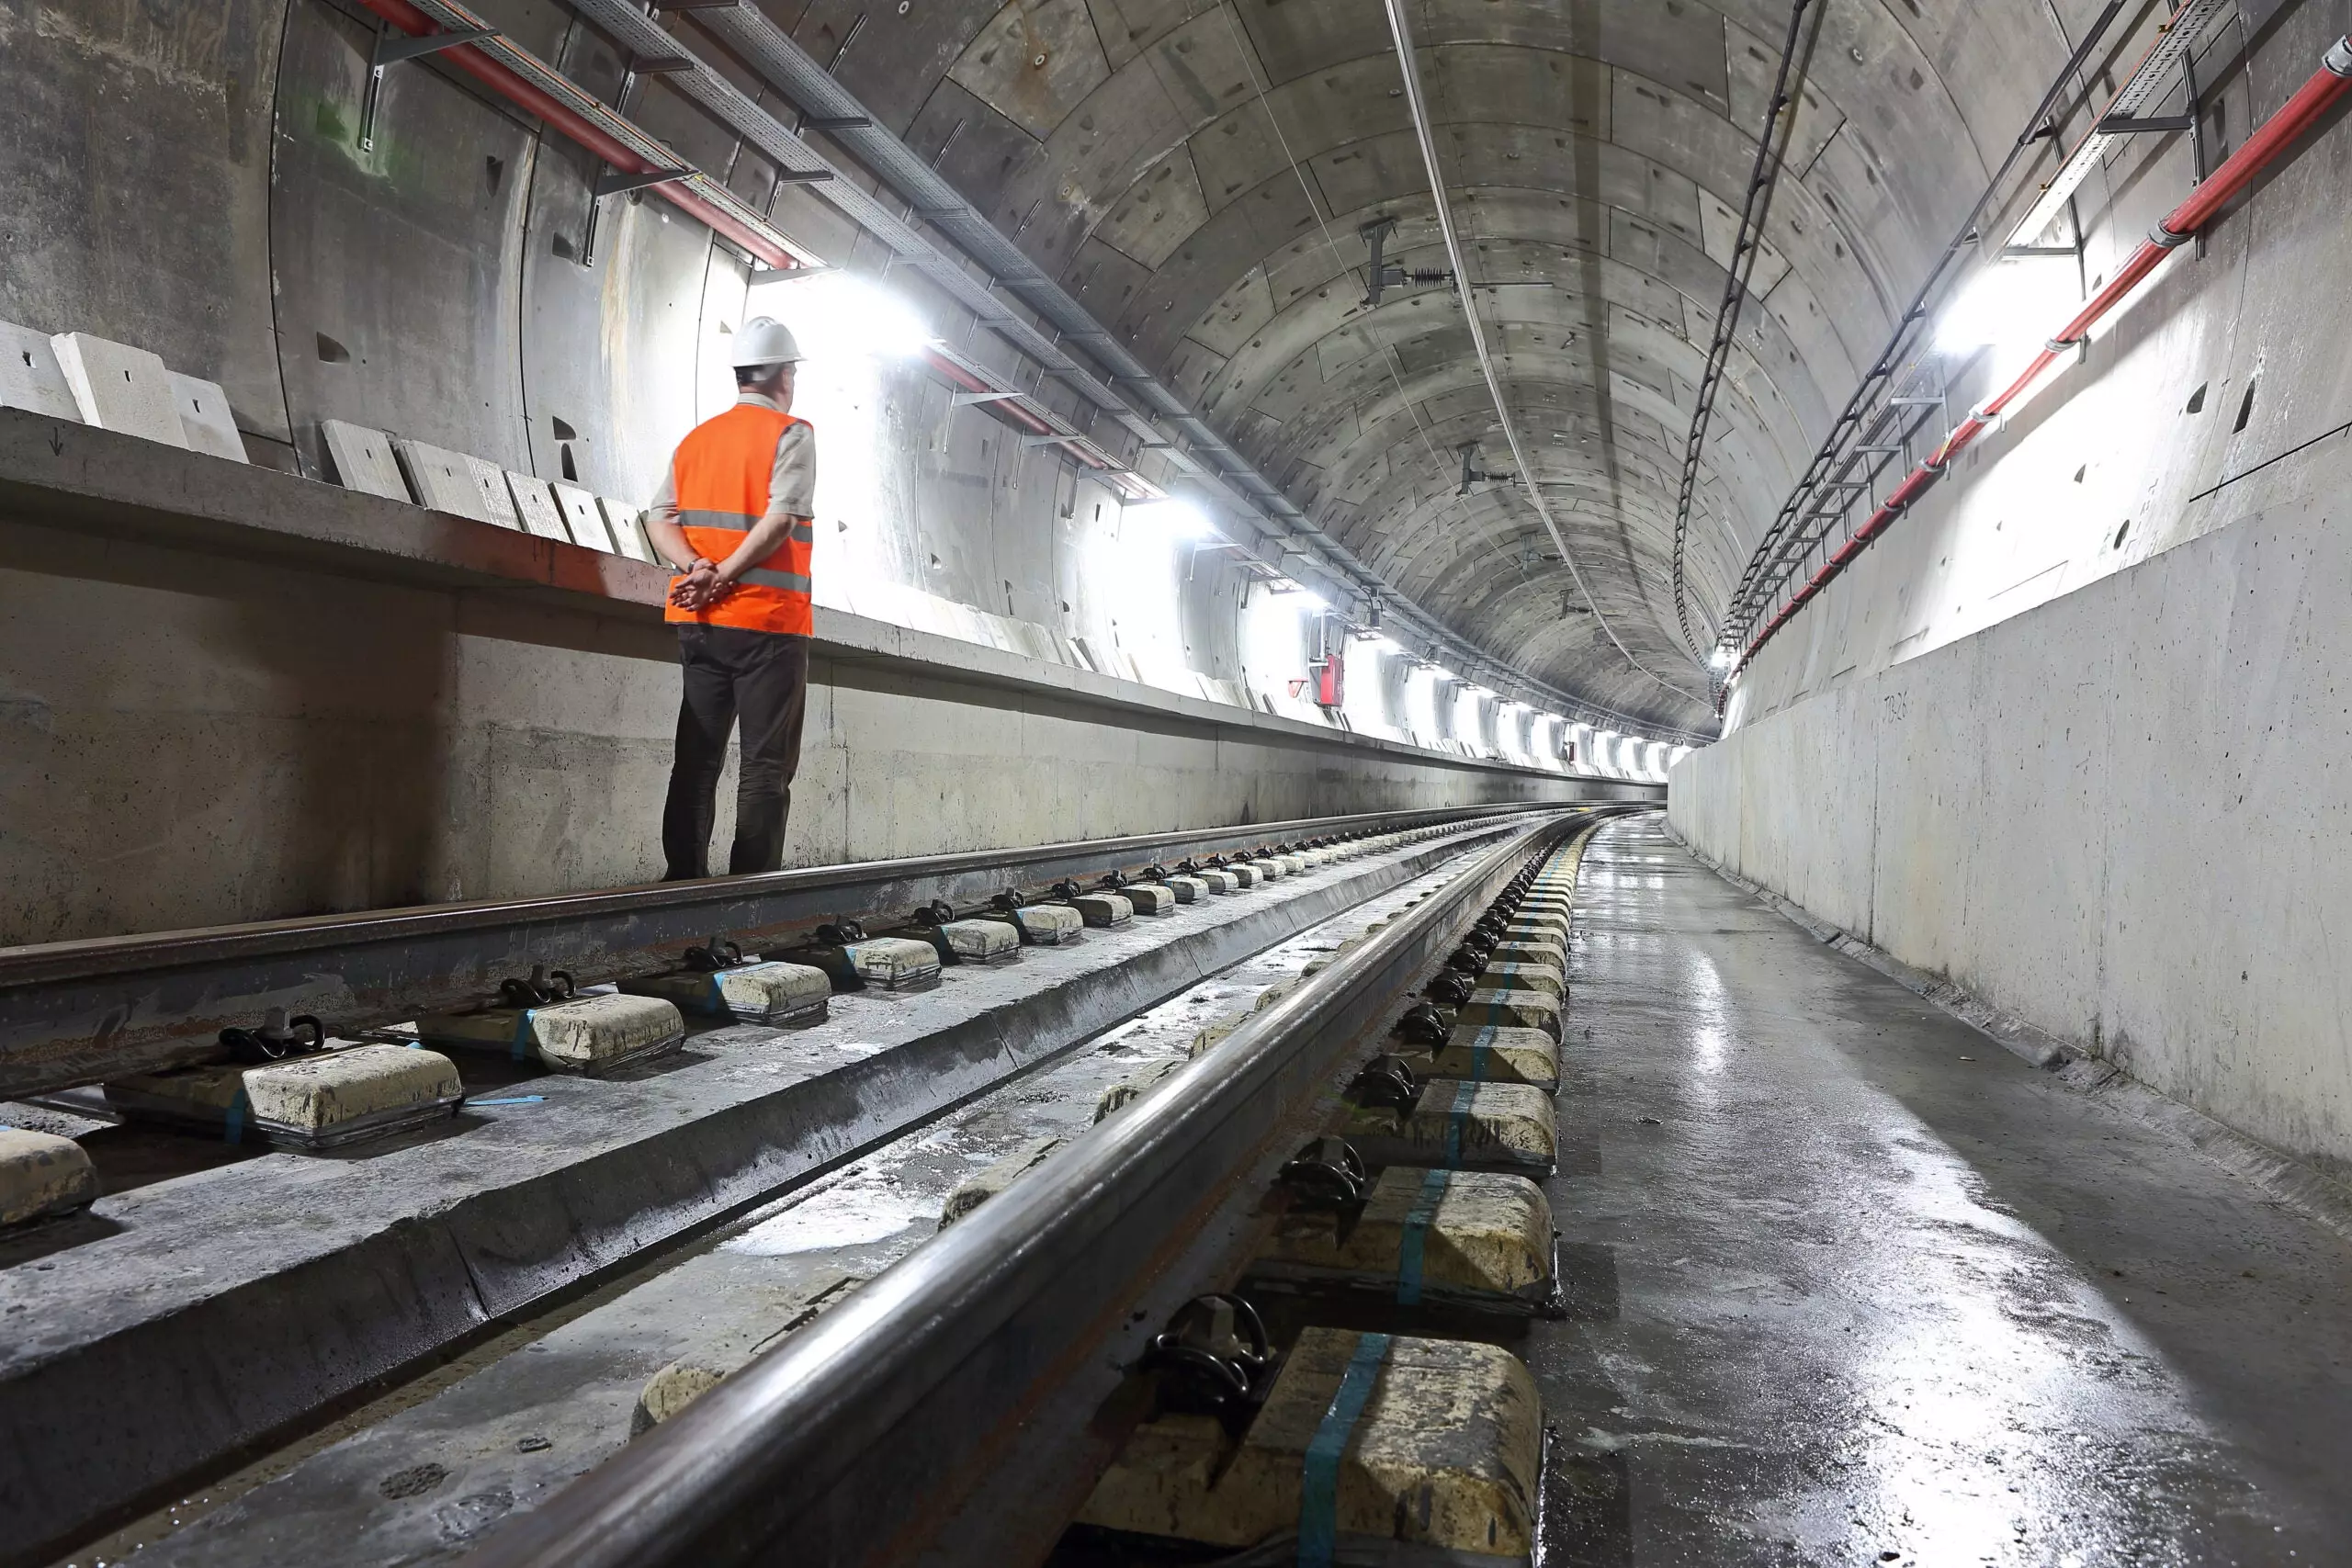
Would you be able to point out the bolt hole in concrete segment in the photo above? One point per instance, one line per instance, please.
(516, 1423)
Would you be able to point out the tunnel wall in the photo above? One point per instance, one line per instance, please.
(189, 740)
(439, 286)
(2070, 732)
(2218, 393)
(192, 742)
(2120, 817)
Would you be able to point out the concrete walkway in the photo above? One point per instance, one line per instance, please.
(1857, 1285)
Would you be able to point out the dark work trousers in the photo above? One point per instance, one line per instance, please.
(762, 677)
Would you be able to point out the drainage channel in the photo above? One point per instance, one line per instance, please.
(255, 1298)
(1240, 1284)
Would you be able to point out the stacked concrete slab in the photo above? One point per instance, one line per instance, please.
(113, 386)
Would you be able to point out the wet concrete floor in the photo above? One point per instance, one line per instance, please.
(1855, 1284)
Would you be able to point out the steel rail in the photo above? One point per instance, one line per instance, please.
(77, 1013)
(861, 1438)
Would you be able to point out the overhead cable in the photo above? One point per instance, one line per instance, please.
(1401, 30)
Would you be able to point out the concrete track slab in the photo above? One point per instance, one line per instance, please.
(497, 501)
(585, 518)
(120, 388)
(1852, 1283)
(443, 480)
(205, 419)
(535, 504)
(30, 376)
(362, 459)
(627, 521)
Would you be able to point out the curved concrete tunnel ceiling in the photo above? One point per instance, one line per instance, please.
(1197, 176)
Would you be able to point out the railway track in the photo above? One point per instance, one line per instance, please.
(1068, 1353)
(264, 1294)
(80, 1012)
(837, 1376)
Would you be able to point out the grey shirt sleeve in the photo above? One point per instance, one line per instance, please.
(665, 499)
(792, 483)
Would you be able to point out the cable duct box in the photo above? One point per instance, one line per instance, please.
(1330, 680)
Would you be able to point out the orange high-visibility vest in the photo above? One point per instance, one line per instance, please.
(720, 475)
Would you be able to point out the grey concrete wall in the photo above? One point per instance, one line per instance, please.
(187, 739)
(433, 287)
(2121, 816)
(2071, 732)
(2218, 393)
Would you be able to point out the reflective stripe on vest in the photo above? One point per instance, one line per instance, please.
(720, 478)
(802, 532)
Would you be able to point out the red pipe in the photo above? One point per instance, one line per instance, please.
(515, 90)
(2326, 86)
(1013, 413)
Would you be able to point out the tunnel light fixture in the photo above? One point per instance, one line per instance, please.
(2007, 307)
(1175, 517)
(840, 315)
(1720, 659)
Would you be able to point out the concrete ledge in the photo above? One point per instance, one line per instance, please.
(56, 474)
(2293, 1184)
(240, 1299)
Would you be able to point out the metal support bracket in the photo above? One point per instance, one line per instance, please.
(609, 182)
(802, 176)
(1379, 274)
(394, 46)
(966, 399)
(1030, 442)
(2196, 126)
(2126, 125)
(838, 123)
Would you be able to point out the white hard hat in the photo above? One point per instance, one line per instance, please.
(764, 340)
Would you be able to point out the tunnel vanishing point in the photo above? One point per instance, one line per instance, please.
(1560, 780)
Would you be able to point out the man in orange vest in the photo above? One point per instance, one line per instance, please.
(733, 519)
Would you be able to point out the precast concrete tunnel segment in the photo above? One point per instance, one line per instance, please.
(1570, 785)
